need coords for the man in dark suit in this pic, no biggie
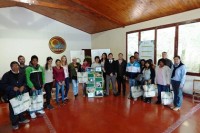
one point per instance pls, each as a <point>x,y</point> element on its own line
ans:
<point>121,73</point>
<point>110,68</point>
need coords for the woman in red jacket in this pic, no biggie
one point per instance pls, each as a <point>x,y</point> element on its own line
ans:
<point>59,76</point>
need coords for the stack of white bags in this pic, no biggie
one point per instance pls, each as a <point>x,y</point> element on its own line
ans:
<point>151,91</point>
<point>24,102</point>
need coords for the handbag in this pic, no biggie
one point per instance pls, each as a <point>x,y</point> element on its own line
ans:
<point>139,77</point>
<point>20,103</point>
<point>149,90</point>
<point>36,102</point>
<point>136,91</point>
<point>167,97</point>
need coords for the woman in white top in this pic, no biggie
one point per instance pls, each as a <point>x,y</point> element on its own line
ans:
<point>96,63</point>
<point>65,67</point>
<point>48,81</point>
<point>162,78</point>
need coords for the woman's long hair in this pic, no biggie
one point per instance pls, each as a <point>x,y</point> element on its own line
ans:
<point>65,61</point>
<point>102,56</point>
<point>46,65</point>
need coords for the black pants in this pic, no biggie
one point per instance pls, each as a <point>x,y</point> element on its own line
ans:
<point>15,118</point>
<point>104,77</point>
<point>84,89</point>
<point>121,82</point>
<point>48,88</point>
<point>66,86</point>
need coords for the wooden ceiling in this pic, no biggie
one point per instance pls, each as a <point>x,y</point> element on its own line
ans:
<point>93,16</point>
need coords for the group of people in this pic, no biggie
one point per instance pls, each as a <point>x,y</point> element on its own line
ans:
<point>33,78</point>
<point>143,72</point>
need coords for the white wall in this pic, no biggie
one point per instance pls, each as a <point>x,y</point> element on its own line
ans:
<point>23,32</point>
<point>116,39</point>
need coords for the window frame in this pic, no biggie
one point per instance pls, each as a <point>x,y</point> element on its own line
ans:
<point>176,25</point>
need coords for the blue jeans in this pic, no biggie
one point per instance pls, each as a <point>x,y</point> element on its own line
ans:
<point>132,82</point>
<point>58,87</point>
<point>160,89</point>
<point>35,93</point>
<point>178,93</point>
<point>75,86</point>
<point>66,86</point>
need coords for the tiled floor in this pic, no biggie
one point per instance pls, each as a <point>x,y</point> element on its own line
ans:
<point>106,115</point>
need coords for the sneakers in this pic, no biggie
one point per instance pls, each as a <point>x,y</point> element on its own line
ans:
<point>24,121</point>
<point>66,98</point>
<point>172,107</point>
<point>15,127</point>
<point>33,115</point>
<point>50,107</point>
<point>176,109</point>
<point>41,112</point>
<point>76,96</point>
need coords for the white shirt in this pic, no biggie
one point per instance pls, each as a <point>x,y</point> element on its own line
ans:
<point>66,71</point>
<point>163,75</point>
<point>147,74</point>
<point>48,75</point>
<point>102,65</point>
<point>94,65</point>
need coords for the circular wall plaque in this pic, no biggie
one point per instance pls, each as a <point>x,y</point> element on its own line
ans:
<point>57,45</point>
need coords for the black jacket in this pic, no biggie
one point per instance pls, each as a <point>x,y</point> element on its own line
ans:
<point>124,63</point>
<point>11,80</point>
<point>110,67</point>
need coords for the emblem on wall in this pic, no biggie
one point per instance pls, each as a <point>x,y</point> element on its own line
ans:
<point>57,45</point>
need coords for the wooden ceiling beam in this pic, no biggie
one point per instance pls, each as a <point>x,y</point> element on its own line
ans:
<point>99,13</point>
<point>52,5</point>
<point>7,3</point>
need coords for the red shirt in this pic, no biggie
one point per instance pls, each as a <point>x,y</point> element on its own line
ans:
<point>58,74</point>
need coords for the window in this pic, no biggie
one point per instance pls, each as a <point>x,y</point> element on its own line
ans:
<point>165,42</point>
<point>181,38</point>
<point>132,44</point>
<point>146,45</point>
<point>189,46</point>
<point>148,35</point>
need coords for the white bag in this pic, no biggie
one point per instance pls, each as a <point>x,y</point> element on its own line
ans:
<point>149,90</point>
<point>82,77</point>
<point>136,91</point>
<point>36,103</point>
<point>167,98</point>
<point>20,103</point>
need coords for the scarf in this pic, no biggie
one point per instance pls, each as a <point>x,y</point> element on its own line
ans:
<point>176,67</point>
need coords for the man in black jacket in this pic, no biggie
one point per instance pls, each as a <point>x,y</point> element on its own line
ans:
<point>121,73</point>
<point>168,61</point>
<point>110,68</point>
<point>22,66</point>
<point>14,83</point>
